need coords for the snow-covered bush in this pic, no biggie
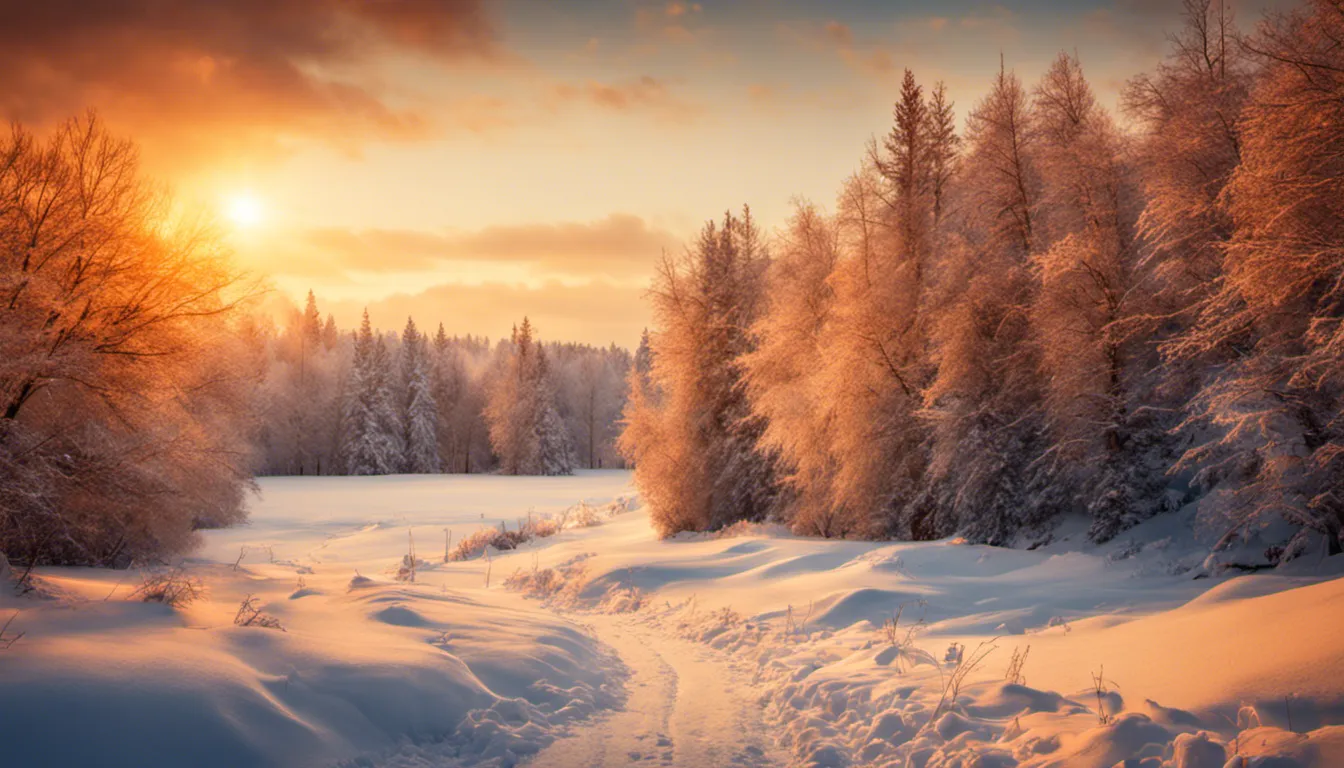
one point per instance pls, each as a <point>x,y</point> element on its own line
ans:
<point>475,544</point>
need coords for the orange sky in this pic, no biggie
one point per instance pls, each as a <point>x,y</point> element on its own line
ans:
<point>469,161</point>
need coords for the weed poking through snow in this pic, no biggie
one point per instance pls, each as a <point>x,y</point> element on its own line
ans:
<point>173,587</point>
<point>1014,673</point>
<point>1102,688</point>
<point>7,641</point>
<point>963,667</point>
<point>250,615</point>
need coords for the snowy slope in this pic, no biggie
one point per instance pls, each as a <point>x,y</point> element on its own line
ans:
<point>393,673</point>
<point>611,647</point>
<point>1179,656</point>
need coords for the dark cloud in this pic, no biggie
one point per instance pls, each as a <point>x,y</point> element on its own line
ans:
<point>254,66</point>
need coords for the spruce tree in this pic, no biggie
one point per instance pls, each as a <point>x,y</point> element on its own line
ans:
<point>372,443</point>
<point>422,415</point>
<point>525,427</point>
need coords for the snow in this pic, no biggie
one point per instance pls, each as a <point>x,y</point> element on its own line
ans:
<point>370,669</point>
<point>802,618</point>
<point>609,646</point>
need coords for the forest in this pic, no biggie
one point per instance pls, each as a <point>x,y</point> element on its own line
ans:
<point>1054,311</point>
<point>365,402</point>
<point>1039,311</point>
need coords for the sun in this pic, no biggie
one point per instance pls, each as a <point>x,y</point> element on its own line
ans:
<point>245,210</point>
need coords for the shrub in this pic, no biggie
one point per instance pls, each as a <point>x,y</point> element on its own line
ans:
<point>173,587</point>
<point>473,546</point>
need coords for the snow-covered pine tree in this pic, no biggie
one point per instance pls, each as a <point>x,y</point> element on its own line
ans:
<point>391,425</point>
<point>331,337</point>
<point>875,361</point>
<point>983,403</point>
<point>694,445</point>
<point>312,323</point>
<point>555,448</point>
<point>944,144</point>
<point>422,414</point>
<point>445,381</point>
<point>407,353</point>
<point>783,373</point>
<point>415,403</point>
<point>372,433</point>
<point>525,429</point>
<point>643,362</point>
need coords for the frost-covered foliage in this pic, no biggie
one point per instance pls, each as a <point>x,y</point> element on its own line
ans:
<point>437,385</point>
<point>525,428</point>
<point>1274,317</point>
<point>372,431</point>
<point>689,430</point>
<point>783,379</point>
<point>1049,315</point>
<point>421,412</point>
<point>124,390</point>
<point>581,515</point>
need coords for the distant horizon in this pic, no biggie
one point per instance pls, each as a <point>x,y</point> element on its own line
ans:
<point>389,317</point>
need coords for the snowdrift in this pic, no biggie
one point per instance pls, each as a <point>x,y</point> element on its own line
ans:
<point>366,670</point>
<point>903,654</point>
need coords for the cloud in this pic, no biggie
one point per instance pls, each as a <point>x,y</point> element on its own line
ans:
<point>620,246</point>
<point>596,312</point>
<point>645,93</point>
<point>678,9</point>
<point>775,99</point>
<point>762,95</point>
<point>673,22</point>
<point>837,38</point>
<point>254,67</point>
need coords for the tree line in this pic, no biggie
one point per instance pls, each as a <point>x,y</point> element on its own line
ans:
<point>365,402</point>
<point>1040,315</point>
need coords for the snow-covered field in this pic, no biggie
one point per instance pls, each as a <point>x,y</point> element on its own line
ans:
<point>756,649</point>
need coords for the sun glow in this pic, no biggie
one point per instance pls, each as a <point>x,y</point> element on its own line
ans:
<point>244,210</point>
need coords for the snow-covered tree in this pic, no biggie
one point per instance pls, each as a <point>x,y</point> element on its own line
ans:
<point>590,393</point>
<point>331,337</point>
<point>1277,451</point>
<point>782,373</point>
<point>875,360</point>
<point>983,402</point>
<point>1106,451</point>
<point>526,431</point>
<point>124,377</point>
<point>421,414</point>
<point>695,446</point>
<point>372,443</point>
<point>944,147</point>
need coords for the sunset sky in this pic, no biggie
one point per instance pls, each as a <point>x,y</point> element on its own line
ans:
<point>469,161</point>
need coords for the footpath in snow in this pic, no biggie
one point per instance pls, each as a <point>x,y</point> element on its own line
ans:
<point>686,707</point>
<point>604,646</point>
